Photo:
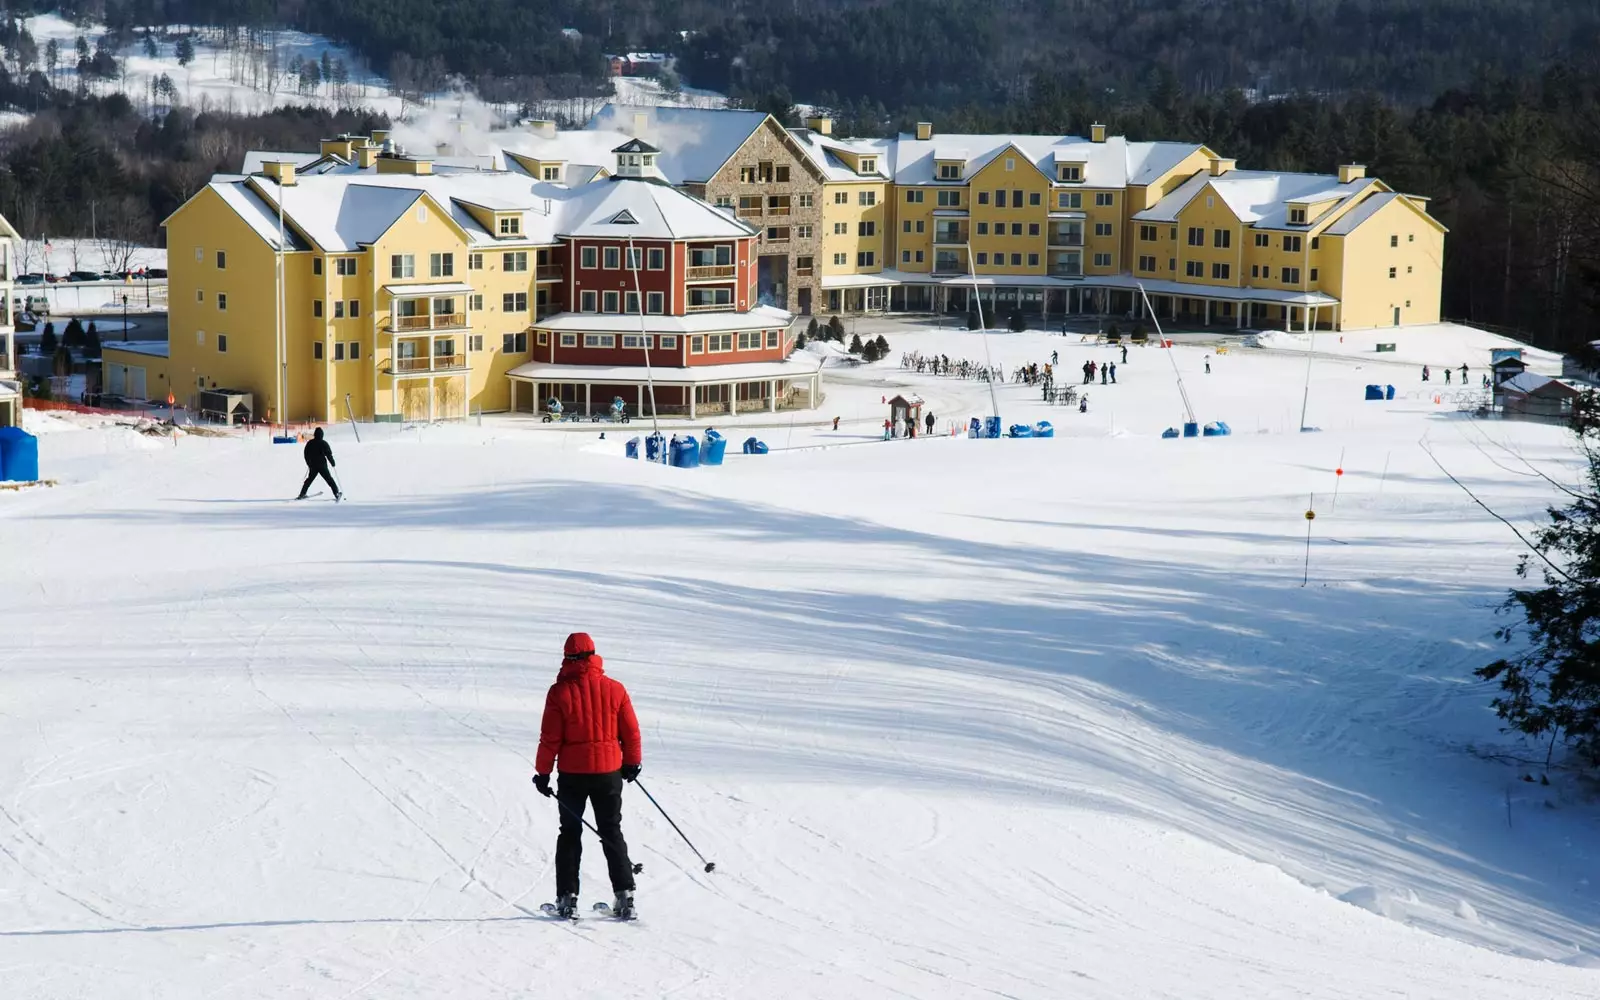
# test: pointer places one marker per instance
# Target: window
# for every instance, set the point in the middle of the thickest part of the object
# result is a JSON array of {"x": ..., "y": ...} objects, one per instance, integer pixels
[
  {"x": 1220, "y": 272},
  {"x": 630, "y": 303},
  {"x": 1197, "y": 236},
  {"x": 514, "y": 302},
  {"x": 442, "y": 265},
  {"x": 635, "y": 258},
  {"x": 1016, "y": 260},
  {"x": 1172, "y": 263},
  {"x": 636, "y": 341},
  {"x": 913, "y": 196},
  {"x": 655, "y": 303},
  {"x": 608, "y": 302},
  {"x": 316, "y": 350},
  {"x": 222, "y": 301},
  {"x": 697, "y": 345},
  {"x": 1222, "y": 239},
  {"x": 1291, "y": 244},
  {"x": 1313, "y": 274},
  {"x": 949, "y": 199},
  {"x": 866, "y": 197},
  {"x": 599, "y": 340},
  {"x": 1411, "y": 238},
  {"x": 719, "y": 343},
  {"x": 1394, "y": 241},
  {"x": 749, "y": 205},
  {"x": 1408, "y": 268},
  {"x": 919, "y": 225},
  {"x": 1033, "y": 229},
  {"x": 355, "y": 350},
  {"x": 1105, "y": 199},
  {"x": 589, "y": 301},
  {"x": 1102, "y": 260},
  {"x": 1297, "y": 216},
  {"x": 222, "y": 343},
  {"x": 866, "y": 258},
  {"x": 316, "y": 308},
  {"x": 1255, "y": 270},
  {"x": 868, "y": 166},
  {"x": 803, "y": 201},
  {"x": 1033, "y": 198},
  {"x": 1147, "y": 234},
  {"x": 866, "y": 228},
  {"x": 772, "y": 339},
  {"x": 1147, "y": 263},
  {"x": 1033, "y": 260},
  {"x": 656, "y": 260},
  {"x": 475, "y": 342},
  {"x": 510, "y": 225},
  {"x": 1016, "y": 199},
  {"x": 905, "y": 227},
  {"x": 569, "y": 340},
  {"x": 841, "y": 197},
  {"x": 949, "y": 171},
  {"x": 750, "y": 341},
  {"x": 1000, "y": 198},
  {"x": 338, "y": 351},
  {"x": 316, "y": 265},
  {"x": 1011, "y": 163},
  {"x": 544, "y": 338},
  {"x": 338, "y": 309},
  {"x": 222, "y": 260},
  {"x": 983, "y": 229},
  {"x": 474, "y": 261},
  {"x": 199, "y": 335},
  {"x": 983, "y": 258},
  {"x": 841, "y": 229},
  {"x": 402, "y": 265},
  {"x": 1194, "y": 268},
  {"x": 589, "y": 258},
  {"x": 1102, "y": 229},
  {"x": 781, "y": 174},
  {"x": 474, "y": 303},
  {"x": 1016, "y": 229},
  {"x": 748, "y": 175},
  {"x": 1071, "y": 173},
  {"x": 613, "y": 258},
  {"x": 840, "y": 259},
  {"x": 1316, "y": 242},
  {"x": 905, "y": 256},
  {"x": 1069, "y": 199},
  {"x": 803, "y": 265},
  {"x": 345, "y": 266},
  {"x": 1391, "y": 274},
  {"x": 778, "y": 204},
  {"x": 1262, "y": 240},
  {"x": 919, "y": 256},
  {"x": 1291, "y": 276},
  {"x": 983, "y": 197},
  {"x": 550, "y": 174}
]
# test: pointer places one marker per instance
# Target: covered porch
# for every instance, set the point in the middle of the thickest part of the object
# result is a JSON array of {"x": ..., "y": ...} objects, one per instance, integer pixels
[
  {"x": 1214, "y": 305},
  {"x": 693, "y": 392},
  {"x": 426, "y": 365}
]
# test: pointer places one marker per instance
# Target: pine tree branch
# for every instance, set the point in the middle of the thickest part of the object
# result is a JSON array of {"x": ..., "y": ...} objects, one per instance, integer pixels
[{"x": 1423, "y": 443}]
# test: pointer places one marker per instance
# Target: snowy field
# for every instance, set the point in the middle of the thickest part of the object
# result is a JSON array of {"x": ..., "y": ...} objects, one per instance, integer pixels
[{"x": 1032, "y": 719}]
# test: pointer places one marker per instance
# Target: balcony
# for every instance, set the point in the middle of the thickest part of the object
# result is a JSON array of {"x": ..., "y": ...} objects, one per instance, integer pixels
[
  {"x": 706, "y": 307},
  {"x": 749, "y": 213},
  {"x": 949, "y": 236},
  {"x": 803, "y": 272},
  {"x": 780, "y": 210},
  {"x": 428, "y": 322},
  {"x": 948, "y": 270},
  {"x": 549, "y": 272},
  {"x": 711, "y": 272},
  {"x": 435, "y": 365},
  {"x": 1066, "y": 270},
  {"x": 1059, "y": 238}
]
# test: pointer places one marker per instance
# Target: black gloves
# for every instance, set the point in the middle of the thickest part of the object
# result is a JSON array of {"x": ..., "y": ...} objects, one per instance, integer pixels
[
  {"x": 631, "y": 771},
  {"x": 542, "y": 783}
]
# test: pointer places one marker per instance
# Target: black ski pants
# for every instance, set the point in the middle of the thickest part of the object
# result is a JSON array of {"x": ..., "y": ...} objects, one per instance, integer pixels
[
  {"x": 605, "y": 791},
  {"x": 327, "y": 477}
]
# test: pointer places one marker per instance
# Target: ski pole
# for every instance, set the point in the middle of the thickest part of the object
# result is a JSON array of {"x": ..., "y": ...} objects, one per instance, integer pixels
[
  {"x": 638, "y": 866},
  {"x": 710, "y": 865}
]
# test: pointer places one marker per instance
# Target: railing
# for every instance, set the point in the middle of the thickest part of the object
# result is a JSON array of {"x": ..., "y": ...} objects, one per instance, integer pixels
[
  {"x": 437, "y": 363},
  {"x": 783, "y": 210},
  {"x": 749, "y": 213},
  {"x": 702, "y": 307},
  {"x": 803, "y": 272},
  {"x": 1066, "y": 271},
  {"x": 949, "y": 236},
  {"x": 706, "y": 271},
  {"x": 549, "y": 272},
  {"x": 437, "y": 321},
  {"x": 1066, "y": 239},
  {"x": 772, "y": 240},
  {"x": 949, "y": 269}
]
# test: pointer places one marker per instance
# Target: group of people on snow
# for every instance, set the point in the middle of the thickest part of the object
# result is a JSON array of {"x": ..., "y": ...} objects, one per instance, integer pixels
[{"x": 1427, "y": 374}]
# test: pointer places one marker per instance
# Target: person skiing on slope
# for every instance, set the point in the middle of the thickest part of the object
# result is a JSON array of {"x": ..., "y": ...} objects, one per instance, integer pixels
[
  {"x": 590, "y": 731},
  {"x": 318, "y": 458}
]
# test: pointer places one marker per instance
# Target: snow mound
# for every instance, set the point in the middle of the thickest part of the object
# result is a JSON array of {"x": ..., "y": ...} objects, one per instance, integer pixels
[{"x": 1383, "y": 902}]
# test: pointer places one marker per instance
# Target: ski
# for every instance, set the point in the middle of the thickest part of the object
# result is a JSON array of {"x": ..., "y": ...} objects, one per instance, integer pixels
[
  {"x": 605, "y": 909},
  {"x": 549, "y": 910},
  {"x": 310, "y": 496}
]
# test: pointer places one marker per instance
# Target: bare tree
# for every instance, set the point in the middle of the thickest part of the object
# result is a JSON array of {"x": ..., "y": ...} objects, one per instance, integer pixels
[{"x": 124, "y": 227}]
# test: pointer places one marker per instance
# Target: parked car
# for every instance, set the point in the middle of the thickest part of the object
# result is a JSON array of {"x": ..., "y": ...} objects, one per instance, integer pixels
[
  {"x": 85, "y": 276},
  {"x": 53, "y": 279},
  {"x": 31, "y": 278},
  {"x": 156, "y": 272}
]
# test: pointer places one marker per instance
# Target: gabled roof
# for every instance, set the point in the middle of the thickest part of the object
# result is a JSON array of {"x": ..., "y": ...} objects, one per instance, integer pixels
[
  {"x": 1113, "y": 163},
  {"x": 1259, "y": 198},
  {"x": 636, "y": 146},
  {"x": 823, "y": 152},
  {"x": 1530, "y": 383},
  {"x": 694, "y": 142},
  {"x": 657, "y": 210},
  {"x": 1347, "y": 223},
  {"x": 262, "y": 217}
]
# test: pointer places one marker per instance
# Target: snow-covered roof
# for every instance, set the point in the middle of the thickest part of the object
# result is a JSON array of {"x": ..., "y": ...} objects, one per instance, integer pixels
[
  {"x": 149, "y": 348},
  {"x": 823, "y": 151},
  {"x": 800, "y": 365},
  {"x": 658, "y": 211},
  {"x": 591, "y": 146},
  {"x": 1260, "y": 198},
  {"x": 1529, "y": 383},
  {"x": 1113, "y": 163},
  {"x": 694, "y": 142},
  {"x": 759, "y": 318},
  {"x": 437, "y": 288},
  {"x": 1347, "y": 223},
  {"x": 257, "y": 212},
  {"x": 256, "y": 159},
  {"x": 1154, "y": 286}
]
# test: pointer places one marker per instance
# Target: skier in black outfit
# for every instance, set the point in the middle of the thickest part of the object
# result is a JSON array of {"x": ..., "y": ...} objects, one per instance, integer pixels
[{"x": 318, "y": 458}]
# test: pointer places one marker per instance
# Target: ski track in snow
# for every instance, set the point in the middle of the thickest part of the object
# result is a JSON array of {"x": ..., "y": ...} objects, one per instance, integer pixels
[{"x": 1015, "y": 719}]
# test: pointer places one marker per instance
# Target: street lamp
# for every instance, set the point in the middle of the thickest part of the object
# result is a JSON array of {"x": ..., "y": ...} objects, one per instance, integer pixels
[{"x": 124, "y": 316}]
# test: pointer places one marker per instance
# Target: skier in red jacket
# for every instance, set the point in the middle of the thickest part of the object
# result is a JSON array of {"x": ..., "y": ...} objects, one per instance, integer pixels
[{"x": 590, "y": 728}]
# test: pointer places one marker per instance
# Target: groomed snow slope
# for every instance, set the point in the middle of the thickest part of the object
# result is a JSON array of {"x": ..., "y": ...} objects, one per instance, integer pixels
[{"x": 1029, "y": 719}]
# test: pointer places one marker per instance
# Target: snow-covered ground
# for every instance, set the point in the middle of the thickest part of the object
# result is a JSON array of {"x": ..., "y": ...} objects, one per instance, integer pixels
[
  {"x": 61, "y": 256},
  {"x": 953, "y": 718}
]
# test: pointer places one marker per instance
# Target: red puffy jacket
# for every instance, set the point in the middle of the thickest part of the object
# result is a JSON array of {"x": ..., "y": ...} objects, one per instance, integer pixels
[{"x": 588, "y": 718}]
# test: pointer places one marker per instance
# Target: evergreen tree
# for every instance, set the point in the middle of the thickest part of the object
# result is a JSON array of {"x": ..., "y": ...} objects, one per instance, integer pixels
[
  {"x": 1018, "y": 322},
  {"x": 47, "y": 339},
  {"x": 836, "y": 329},
  {"x": 811, "y": 329},
  {"x": 800, "y": 340},
  {"x": 72, "y": 336},
  {"x": 883, "y": 346},
  {"x": 185, "y": 49},
  {"x": 91, "y": 342},
  {"x": 855, "y": 343},
  {"x": 972, "y": 320},
  {"x": 150, "y": 50},
  {"x": 61, "y": 361},
  {"x": 869, "y": 351}
]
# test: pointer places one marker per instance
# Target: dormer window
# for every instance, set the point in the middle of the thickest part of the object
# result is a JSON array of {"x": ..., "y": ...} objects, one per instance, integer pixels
[
  {"x": 869, "y": 165},
  {"x": 1071, "y": 173},
  {"x": 550, "y": 173},
  {"x": 949, "y": 171},
  {"x": 1297, "y": 216},
  {"x": 510, "y": 225},
  {"x": 649, "y": 159}
]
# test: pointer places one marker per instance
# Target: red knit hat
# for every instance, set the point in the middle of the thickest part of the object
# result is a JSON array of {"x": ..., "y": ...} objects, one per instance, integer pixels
[{"x": 579, "y": 645}]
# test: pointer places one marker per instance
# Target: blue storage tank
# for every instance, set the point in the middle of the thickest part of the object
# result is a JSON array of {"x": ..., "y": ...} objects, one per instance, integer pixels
[
  {"x": 1375, "y": 392},
  {"x": 712, "y": 450},
  {"x": 975, "y": 429},
  {"x": 19, "y": 455},
  {"x": 1388, "y": 392},
  {"x": 686, "y": 453},
  {"x": 1217, "y": 429},
  {"x": 1170, "y": 432},
  {"x": 1191, "y": 429},
  {"x": 1021, "y": 431},
  {"x": 991, "y": 427},
  {"x": 1043, "y": 429},
  {"x": 633, "y": 447},
  {"x": 655, "y": 448},
  {"x": 754, "y": 447}
]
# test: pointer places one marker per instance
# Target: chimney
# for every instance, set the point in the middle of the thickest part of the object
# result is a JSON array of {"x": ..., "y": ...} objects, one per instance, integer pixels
[
  {"x": 641, "y": 123},
  {"x": 1352, "y": 172},
  {"x": 380, "y": 136},
  {"x": 340, "y": 147},
  {"x": 924, "y": 131},
  {"x": 399, "y": 163},
  {"x": 280, "y": 171},
  {"x": 366, "y": 156},
  {"x": 821, "y": 126},
  {"x": 544, "y": 128},
  {"x": 1221, "y": 165},
  {"x": 1097, "y": 132}
]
